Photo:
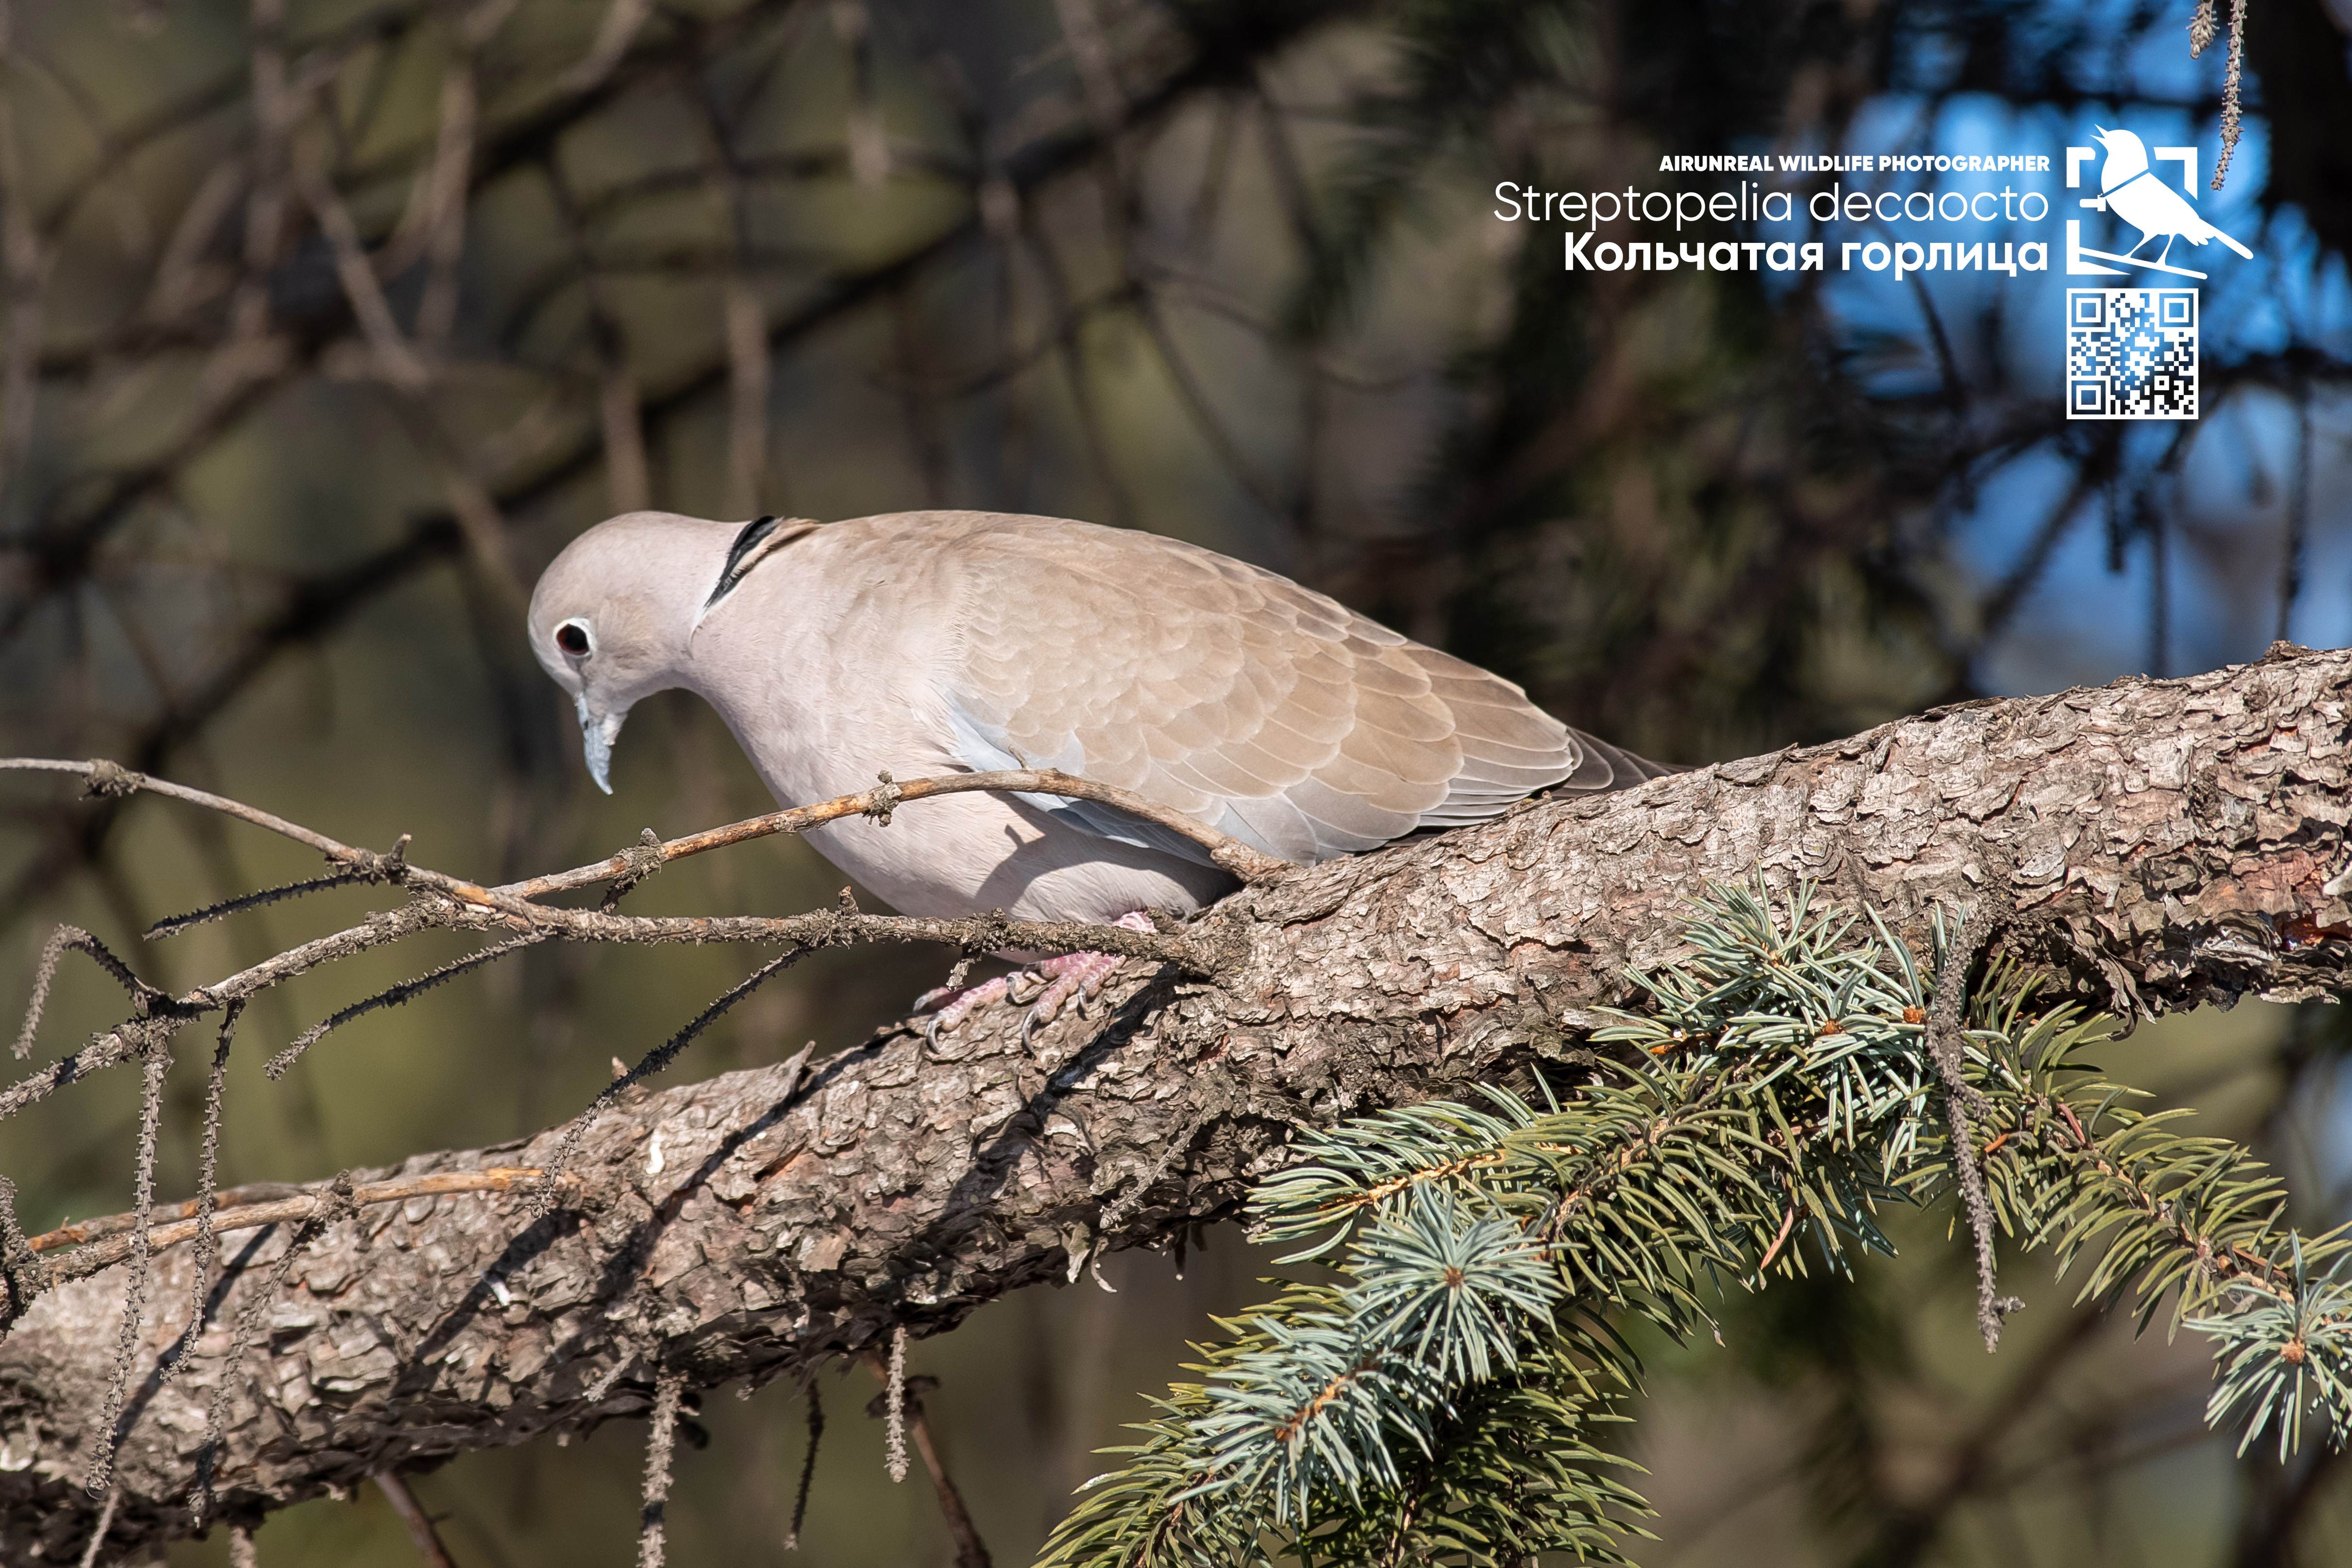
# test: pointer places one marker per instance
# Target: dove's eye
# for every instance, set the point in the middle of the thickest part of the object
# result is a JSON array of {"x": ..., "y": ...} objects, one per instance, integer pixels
[{"x": 573, "y": 639}]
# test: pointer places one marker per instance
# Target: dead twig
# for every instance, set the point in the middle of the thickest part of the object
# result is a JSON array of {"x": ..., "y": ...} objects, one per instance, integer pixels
[
  {"x": 141, "y": 1246},
  {"x": 442, "y": 902},
  {"x": 808, "y": 1465},
  {"x": 901, "y": 1402},
  {"x": 421, "y": 1533},
  {"x": 661, "y": 1439},
  {"x": 1250, "y": 865},
  {"x": 104, "y": 1243},
  {"x": 334, "y": 1202},
  {"x": 1947, "y": 1045},
  {"x": 205, "y": 1203}
]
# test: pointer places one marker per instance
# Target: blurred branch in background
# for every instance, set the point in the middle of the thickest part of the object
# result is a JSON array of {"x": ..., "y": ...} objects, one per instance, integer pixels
[{"x": 327, "y": 322}]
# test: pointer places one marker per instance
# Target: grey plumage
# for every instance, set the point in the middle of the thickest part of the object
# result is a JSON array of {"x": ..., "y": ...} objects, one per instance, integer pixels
[{"x": 940, "y": 642}]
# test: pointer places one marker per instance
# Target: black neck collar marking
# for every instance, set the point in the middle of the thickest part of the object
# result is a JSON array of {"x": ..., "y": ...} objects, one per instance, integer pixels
[{"x": 758, "y": 539}]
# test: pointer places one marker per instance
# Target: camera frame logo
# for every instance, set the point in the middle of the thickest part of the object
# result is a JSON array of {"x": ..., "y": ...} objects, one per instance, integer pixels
[{"x": 2132, "y": 353}]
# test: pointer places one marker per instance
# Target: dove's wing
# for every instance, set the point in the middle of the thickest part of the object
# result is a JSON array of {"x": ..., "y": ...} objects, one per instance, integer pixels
[{"x": 1232, "y": 695}]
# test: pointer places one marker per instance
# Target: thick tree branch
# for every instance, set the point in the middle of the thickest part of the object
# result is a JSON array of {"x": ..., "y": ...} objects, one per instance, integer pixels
[{"x": 2159, "y": 844}]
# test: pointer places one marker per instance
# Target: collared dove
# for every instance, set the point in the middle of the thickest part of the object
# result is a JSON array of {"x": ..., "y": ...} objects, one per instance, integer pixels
[{"x": 932, "y": 643}]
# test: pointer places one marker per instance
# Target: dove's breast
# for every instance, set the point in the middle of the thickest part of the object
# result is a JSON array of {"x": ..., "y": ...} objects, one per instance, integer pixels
[{"x": 830, "y": 672}]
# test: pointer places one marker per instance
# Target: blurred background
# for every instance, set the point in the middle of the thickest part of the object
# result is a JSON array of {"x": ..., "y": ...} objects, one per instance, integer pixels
[{"x": 324, "y": 325}]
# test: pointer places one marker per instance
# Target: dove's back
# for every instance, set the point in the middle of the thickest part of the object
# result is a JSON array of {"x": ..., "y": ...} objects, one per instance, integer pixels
[{"x": 979, "y": 641}]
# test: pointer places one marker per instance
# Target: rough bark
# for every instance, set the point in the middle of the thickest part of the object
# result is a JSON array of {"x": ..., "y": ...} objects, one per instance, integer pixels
[{"x": 2160, "y": 844}]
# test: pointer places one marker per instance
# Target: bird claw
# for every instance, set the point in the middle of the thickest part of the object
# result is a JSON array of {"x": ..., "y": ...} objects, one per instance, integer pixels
[
  {"x": 1046, "y": 988},
  {"x": 949, "y": 1007},
  {"x": 1073, "y": 974}
]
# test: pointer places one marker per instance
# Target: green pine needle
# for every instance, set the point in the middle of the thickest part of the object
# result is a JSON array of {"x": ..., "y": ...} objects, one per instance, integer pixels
[{"x": 1439, "y": 1403}]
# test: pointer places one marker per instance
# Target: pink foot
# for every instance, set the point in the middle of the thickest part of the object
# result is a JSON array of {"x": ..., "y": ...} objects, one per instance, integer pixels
[{"x": 1052, "y": 982}]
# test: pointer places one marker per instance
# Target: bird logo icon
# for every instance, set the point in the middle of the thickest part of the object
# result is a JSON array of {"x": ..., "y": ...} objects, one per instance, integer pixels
[{"x": 2130, "y": 188}]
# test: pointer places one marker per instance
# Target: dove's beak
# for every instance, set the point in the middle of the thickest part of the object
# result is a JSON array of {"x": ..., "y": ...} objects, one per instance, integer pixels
[{"x": 597, "y": 732}]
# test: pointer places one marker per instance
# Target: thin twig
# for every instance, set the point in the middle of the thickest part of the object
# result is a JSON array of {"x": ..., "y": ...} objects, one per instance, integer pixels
[
  {"x": 808, "y": 1465},
  {"x": 654, "y": 1061},
  {"x": 113, "y": 1246},
  {"x": 2234, "y": 77},
  {"x": 329, "y": 1205},
  {"x": 25, "y": 1275},
  {"x": 98, "y": 1532},
  {"x": 473, "y": 907},
  {"x": 421, "y": 1533},
  {"x": 74, "y": 939},
  {"x": 454, "y": 903},
  {"x": 1947, "y": 1045},
  {"x": 895, "y": 1389},
  {"x": 1241, "y": 859},
  {"x": 908, "y": 1418},
  {"x": 206, "y": 1201},
  {"x": 394, "y": 995},
  {"x": 661, "y": 1437},
  {"x": 139, "y": 1243},
  {"x": 111, "y": 779},
  {"x": 172, "y": 926}
]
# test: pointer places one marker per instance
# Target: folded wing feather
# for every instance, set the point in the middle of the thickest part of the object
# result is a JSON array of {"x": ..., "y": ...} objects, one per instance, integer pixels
[{"x": 1233, "y": 696}]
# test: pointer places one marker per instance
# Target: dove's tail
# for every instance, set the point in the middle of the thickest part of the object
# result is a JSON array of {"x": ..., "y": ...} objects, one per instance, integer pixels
[{"x": 2233, "y": 244}]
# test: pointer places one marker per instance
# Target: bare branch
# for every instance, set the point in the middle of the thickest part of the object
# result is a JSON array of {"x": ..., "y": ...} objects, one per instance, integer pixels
[
  {"x": 205, "y": 1204},
  {"x": 331, "y": 1203},
  {"x": 419, "y": 1523},
  {"x": 661, "y": 1439},
  {"x": 1248, "y": 864},
  {"x": 896, "y": 1186},
  {"x": 1244, "y": 862},
  {"x": 894, "y": 1395},
  {"x": 141, "y": 1245},
  {"x": 394, "y": 995},
  {"x": 808, "y": 1467},
  {"x": 111, "y": 779},
  {"x": 99, "y": 1532},
  {"x": 901, "y": 1400},
  {"x": 1946, "y": 1043},
  {"x": 74, "y": 939},
  {"x": 232, "y": 1212},
  {"x": 172, "y": 926}
]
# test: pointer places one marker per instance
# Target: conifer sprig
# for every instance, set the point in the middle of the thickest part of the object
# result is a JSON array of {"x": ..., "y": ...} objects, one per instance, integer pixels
[{"x": 1442, "y": 1399}]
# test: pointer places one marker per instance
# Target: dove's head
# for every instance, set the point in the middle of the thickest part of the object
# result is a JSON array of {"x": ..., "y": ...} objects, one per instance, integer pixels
[
  {"x": 2126, "y": 153},
  {"x": 612, "y": 617}
]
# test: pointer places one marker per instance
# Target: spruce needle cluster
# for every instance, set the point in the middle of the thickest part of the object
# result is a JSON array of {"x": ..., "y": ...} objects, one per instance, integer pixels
[{"x": 1441, "y": 1390}]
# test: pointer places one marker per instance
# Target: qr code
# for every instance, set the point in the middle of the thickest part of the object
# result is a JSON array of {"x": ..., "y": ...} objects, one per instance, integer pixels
[{"x": 2131, "y": 353}]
